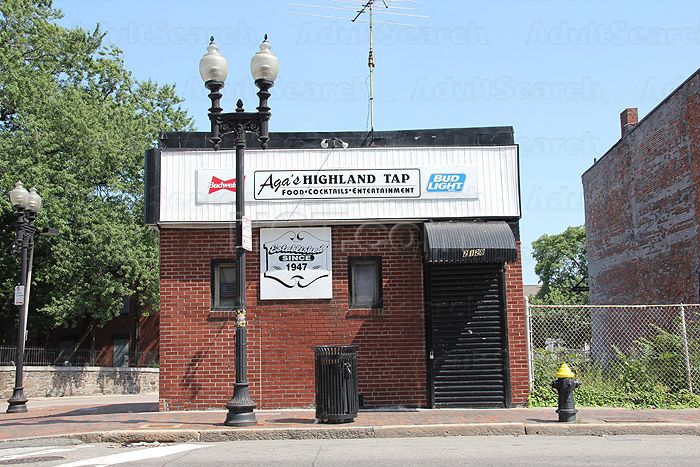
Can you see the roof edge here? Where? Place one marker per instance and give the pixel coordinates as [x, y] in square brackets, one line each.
[649, 114]
[477, 136]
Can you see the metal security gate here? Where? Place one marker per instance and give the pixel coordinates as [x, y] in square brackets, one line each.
[467, 335]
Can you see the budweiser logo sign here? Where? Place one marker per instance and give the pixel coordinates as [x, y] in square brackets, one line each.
[217, 184]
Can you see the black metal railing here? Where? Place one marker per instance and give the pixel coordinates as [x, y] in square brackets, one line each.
[43, 356]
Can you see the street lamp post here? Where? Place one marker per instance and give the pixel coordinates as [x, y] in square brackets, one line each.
[27, 204]
[213, 67]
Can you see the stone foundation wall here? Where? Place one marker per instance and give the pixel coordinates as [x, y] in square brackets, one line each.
[52, 381]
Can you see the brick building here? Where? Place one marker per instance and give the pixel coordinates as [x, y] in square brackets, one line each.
[642, 203]
[130, 339]
[408, 248]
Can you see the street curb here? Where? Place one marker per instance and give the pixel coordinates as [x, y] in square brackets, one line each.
[437, 431]
[271, 434]
[612, 429]
[253, 434]
[140, 436]
[395, 431]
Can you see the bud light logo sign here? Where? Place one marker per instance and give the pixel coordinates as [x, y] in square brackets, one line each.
[446, 183]
[451, 183]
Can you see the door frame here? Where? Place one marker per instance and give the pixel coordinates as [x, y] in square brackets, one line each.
[504, 335]
[428, 315]
[121, 338]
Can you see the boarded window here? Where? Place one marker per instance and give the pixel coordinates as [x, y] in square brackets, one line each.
[224, 286]
[365, 282]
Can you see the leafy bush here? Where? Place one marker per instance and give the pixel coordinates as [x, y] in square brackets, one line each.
[661, 357]
[652, 376]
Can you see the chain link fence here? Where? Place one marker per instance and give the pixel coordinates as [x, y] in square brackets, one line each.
[652, 348]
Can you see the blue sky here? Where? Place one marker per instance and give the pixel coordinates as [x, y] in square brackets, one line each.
[558, 72]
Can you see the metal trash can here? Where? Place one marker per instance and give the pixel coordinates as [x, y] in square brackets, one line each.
[337, 399]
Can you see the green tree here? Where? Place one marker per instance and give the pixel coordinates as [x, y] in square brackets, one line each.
[562, 266]
[75, 123]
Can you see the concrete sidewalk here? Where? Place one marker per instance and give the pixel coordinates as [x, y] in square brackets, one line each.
[135, 419]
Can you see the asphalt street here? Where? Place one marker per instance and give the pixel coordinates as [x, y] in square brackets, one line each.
[481, 451]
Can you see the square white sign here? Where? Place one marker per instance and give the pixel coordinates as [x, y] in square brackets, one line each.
[296, 263]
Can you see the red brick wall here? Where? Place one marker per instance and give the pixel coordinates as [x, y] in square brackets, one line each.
[517, 332]
[692, 119]
[196, 370]
[148, 344]
[642, 206]
[121, 326]
[142, 333]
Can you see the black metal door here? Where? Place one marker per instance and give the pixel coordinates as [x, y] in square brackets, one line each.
[467, 335]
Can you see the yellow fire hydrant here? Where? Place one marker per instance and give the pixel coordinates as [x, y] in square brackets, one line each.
[565, 385]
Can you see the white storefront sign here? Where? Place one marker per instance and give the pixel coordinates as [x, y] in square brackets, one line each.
[295, 263]
[280, 185]
[334, 184]
[198, 186]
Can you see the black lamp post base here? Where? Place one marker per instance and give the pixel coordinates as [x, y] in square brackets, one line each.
[240, 416]
[18, 402]
[240, 407]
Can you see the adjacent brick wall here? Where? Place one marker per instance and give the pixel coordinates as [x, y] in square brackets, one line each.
[142, 332]
[642, 206]
[517, 332]
[197, 344]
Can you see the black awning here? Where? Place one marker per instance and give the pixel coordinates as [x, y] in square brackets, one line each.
[469, 242]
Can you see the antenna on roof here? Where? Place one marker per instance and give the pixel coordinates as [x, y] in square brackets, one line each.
[369, 6]
[365, 6]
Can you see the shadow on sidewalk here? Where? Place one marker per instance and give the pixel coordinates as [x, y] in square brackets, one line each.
[113, 408]
[54, 420]
[138, 407]
[296, 421]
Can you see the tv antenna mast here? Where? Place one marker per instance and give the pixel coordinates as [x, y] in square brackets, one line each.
[369, 6]
[366, 6]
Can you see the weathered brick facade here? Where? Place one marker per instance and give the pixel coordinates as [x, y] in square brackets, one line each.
[642, 207]
[197, 358]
